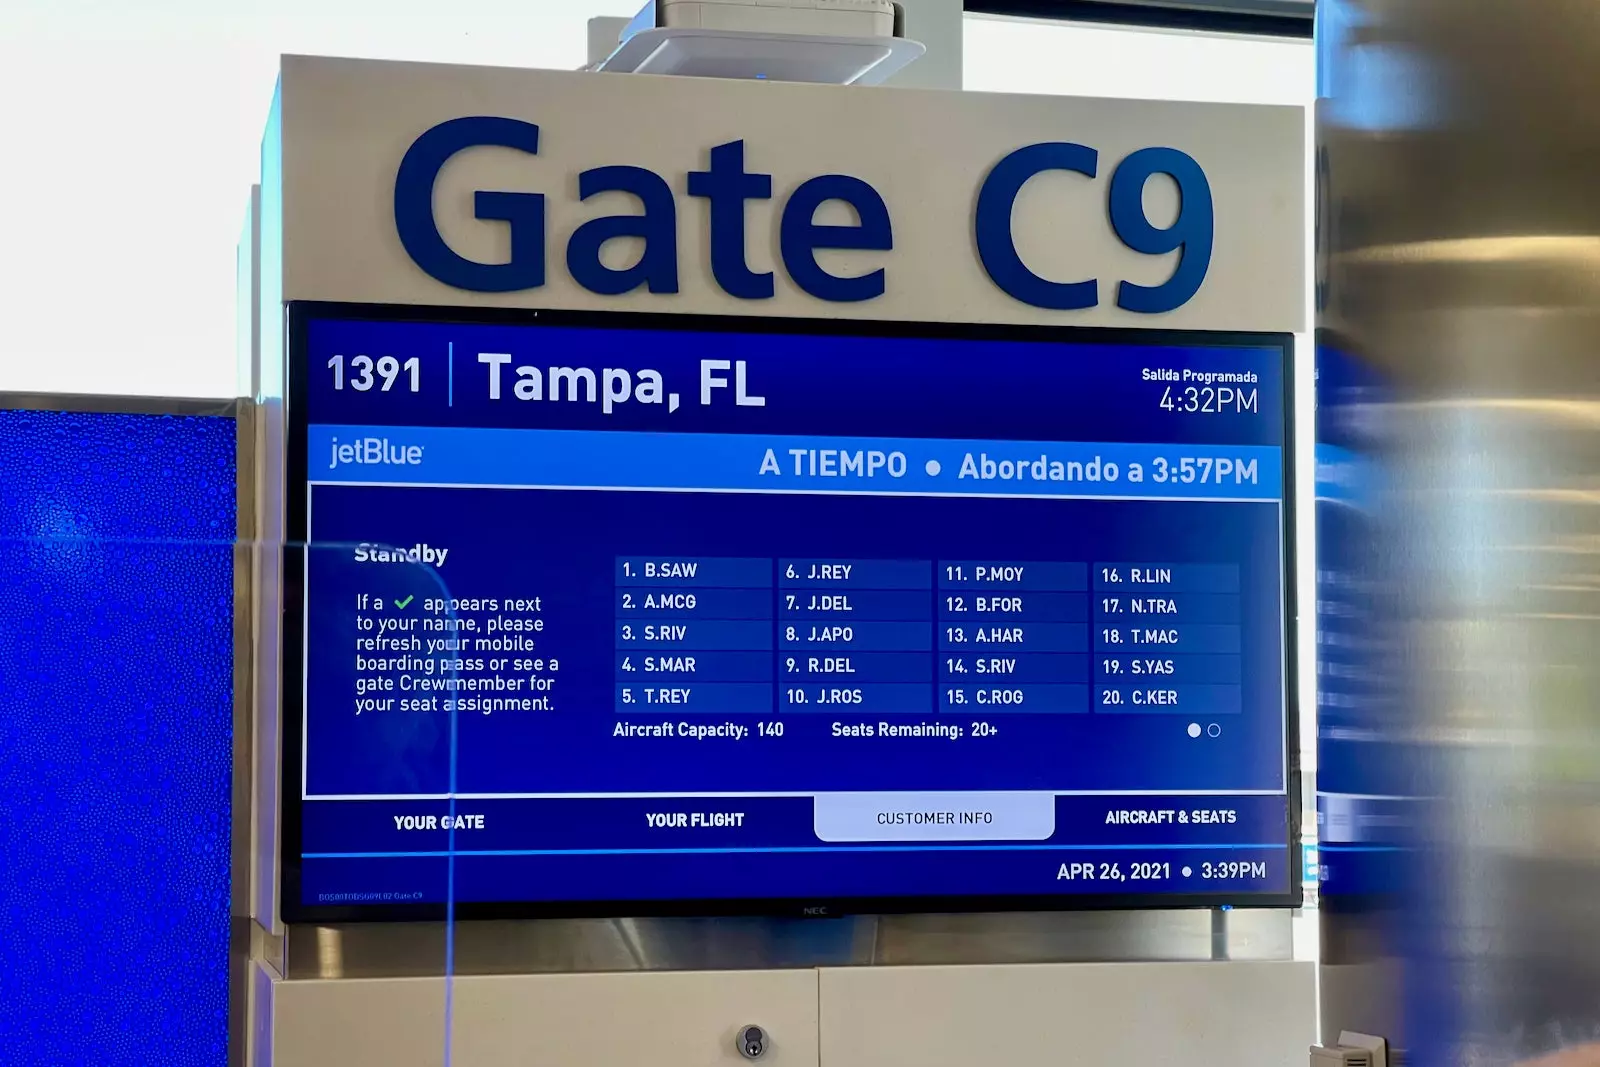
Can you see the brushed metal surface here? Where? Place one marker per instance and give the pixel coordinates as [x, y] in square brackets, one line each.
[1118, 1015]
[1460, 253]
[576, 1020]
[578, 945]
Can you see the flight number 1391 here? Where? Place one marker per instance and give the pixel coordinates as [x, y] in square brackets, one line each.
[366, 372]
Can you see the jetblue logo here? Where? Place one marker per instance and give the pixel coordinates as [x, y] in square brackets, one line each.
[727, 186]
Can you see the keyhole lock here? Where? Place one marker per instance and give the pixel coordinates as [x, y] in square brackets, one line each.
[752, 1042]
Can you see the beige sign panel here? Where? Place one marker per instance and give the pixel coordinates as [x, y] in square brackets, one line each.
[346, 125]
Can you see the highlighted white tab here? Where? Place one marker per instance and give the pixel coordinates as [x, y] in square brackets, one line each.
[843, 817]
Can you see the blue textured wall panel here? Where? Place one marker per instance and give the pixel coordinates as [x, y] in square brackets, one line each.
[116, 674]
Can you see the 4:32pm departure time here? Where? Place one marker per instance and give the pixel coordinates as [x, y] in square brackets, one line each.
[1189, 391]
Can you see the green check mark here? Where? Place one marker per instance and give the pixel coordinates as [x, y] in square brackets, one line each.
[406, 602]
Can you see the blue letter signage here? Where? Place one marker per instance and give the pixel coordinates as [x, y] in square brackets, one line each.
[727, 185]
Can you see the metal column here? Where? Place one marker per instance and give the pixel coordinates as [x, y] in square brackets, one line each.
[1459, 264]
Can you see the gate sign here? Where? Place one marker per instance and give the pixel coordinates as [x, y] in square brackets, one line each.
[855, 560]
[476, 186]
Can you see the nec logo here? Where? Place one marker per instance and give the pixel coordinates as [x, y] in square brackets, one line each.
[816, 911]
[727, 186]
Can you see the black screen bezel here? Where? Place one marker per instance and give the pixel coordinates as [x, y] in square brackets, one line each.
[298, 316]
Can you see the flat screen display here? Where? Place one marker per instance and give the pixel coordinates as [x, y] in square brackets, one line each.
[642, 614]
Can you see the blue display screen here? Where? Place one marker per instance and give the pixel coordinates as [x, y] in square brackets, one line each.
[619, 613]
